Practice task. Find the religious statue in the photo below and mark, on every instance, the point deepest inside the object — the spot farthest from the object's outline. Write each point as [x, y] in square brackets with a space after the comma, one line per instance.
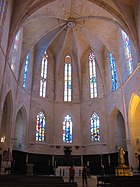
[121, 156]
[122, 169]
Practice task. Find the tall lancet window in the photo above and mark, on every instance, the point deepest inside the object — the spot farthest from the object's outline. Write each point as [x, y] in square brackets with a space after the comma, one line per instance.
[25, 71]
[3, 5]
[40, 127]
[127, 52]
[92, 74]
[95, 128]
[43, 80]
[67, 129]
[67, 78]
[113, 73]
[15, 51]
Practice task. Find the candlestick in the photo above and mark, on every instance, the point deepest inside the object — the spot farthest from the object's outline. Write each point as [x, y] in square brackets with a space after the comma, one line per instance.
[27, 158]
[109, 159]
[53, 160]
[101, 159]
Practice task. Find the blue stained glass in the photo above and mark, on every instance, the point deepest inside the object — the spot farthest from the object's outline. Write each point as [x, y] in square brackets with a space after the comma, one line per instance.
[67, 78]
[67, 129]
[113, 73]
[95, 128]
[127, 51]
[43, 80]
[3, 4]
[92, 74]
[25, 71]
[40, 127]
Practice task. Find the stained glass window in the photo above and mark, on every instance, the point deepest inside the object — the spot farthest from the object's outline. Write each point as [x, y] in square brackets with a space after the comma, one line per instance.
[3, 4]
[92, 74]
[15, 51]
[25, 71]
[43, 80]
[95, 128]
[127, 52]
[67, 129]
[40, 127]
[1, 8]
[67, 78]
[113, 72]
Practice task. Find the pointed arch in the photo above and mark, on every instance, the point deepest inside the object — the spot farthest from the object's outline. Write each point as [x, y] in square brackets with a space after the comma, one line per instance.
[15, 51]
[68, 78]
[95, 127]
[26, 63]
[117, 132]
[20, 129]
[3, 4]
[113, 72]
[92, 75]
[7, 112]
[3, 10]
[40, 127]
[67, 129]
[44, 71]
[134, 125]
[133, 104]
[127, 53]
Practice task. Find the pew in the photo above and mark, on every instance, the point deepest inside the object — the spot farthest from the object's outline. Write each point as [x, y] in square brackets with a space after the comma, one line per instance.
[125, 181]
[118, 181]
[34, 181]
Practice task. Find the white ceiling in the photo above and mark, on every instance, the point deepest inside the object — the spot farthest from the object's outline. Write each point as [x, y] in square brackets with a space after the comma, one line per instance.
[95, 26]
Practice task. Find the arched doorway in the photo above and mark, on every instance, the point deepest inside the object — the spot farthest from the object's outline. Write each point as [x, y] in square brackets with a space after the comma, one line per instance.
[6, 122]
[20, 130]
[134, 125]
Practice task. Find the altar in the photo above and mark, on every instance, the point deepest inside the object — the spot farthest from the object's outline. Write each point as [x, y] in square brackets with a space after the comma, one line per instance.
[64, 170]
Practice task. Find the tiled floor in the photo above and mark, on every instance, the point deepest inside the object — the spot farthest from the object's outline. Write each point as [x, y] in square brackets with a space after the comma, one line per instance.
[91, 181]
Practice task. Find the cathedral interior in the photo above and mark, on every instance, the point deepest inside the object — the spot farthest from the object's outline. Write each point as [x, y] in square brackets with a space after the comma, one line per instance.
[69, 83]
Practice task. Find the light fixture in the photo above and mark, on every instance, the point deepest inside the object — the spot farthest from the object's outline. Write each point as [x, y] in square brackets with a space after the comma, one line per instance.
[2, 140]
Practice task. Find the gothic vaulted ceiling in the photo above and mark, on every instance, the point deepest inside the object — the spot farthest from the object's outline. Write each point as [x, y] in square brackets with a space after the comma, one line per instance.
[71, 25]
